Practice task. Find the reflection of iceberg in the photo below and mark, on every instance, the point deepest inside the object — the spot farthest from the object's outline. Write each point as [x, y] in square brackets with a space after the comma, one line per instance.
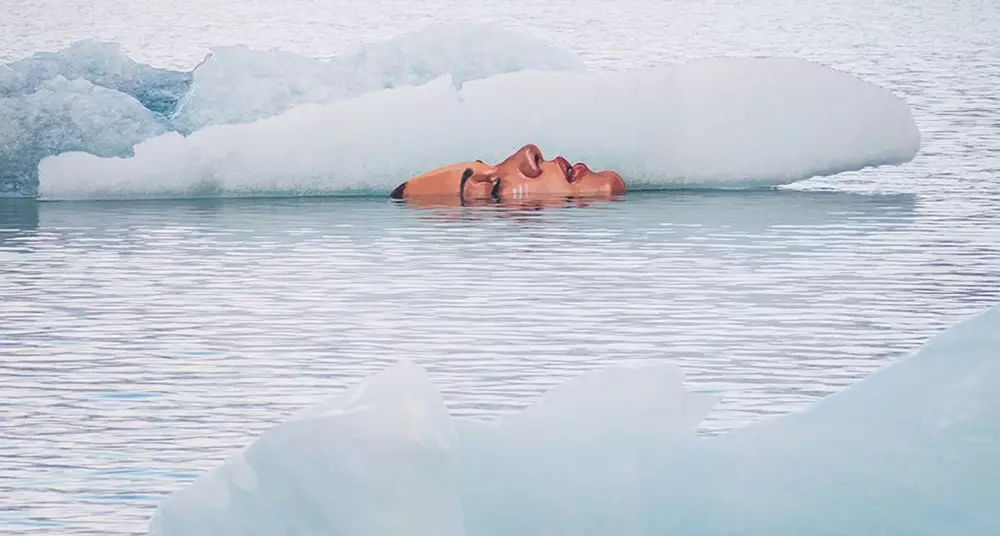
[715, 123]
[686, 213]
[17, 216]
[910, 450]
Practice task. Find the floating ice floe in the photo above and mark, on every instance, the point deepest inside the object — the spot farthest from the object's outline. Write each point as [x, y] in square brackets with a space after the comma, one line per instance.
[725, 123]
[909, 450]
[272, 123]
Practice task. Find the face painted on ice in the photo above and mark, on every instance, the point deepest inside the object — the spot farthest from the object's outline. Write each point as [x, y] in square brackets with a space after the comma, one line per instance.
[523, 175]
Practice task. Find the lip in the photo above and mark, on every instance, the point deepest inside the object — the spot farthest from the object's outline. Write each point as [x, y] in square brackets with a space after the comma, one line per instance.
[565, 167]
[577, 171]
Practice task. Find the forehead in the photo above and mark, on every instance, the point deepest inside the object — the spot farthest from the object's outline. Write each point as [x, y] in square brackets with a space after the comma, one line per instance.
[444, 180]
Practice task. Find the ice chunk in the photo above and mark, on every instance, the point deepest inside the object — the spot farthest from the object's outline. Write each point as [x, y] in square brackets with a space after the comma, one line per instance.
[909, 450]
[103, 64]
[580, 461]
[376, 461]
[64, 115]
[237, 85]
[726, 123]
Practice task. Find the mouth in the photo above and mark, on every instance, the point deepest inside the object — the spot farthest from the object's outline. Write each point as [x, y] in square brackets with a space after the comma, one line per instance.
[572, 172]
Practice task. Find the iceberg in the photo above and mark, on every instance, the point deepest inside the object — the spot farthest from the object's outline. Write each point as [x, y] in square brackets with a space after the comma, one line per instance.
[722, 123]
[375, 461]
[63, 115]
[909, 450]
[239, 85]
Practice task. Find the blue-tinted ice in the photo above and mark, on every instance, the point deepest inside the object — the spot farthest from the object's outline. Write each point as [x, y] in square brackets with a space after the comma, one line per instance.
[910, 450]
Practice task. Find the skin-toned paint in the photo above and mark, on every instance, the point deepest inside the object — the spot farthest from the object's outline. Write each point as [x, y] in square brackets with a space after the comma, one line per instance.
[523, 175]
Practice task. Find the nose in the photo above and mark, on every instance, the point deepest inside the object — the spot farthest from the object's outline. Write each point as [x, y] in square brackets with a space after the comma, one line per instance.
[529, 160]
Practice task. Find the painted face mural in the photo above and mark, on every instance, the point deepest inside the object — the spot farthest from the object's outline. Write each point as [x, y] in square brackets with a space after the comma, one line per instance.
[523, 175]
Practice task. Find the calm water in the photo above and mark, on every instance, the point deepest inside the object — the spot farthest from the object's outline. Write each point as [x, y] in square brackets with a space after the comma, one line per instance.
[141, 342]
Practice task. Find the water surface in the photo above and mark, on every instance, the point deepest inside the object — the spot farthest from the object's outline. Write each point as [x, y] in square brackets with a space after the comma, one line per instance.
[140, 342]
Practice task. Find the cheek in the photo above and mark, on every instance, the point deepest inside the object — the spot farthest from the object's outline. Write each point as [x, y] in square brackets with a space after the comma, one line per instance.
[478, 190]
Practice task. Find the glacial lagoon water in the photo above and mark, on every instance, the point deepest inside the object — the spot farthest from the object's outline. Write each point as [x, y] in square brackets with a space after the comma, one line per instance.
[142, 342]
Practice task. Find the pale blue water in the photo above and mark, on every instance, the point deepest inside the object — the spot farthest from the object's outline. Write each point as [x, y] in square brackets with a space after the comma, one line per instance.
[140, 342]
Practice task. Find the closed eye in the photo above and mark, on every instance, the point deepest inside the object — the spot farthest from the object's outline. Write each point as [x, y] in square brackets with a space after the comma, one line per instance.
[466, 175]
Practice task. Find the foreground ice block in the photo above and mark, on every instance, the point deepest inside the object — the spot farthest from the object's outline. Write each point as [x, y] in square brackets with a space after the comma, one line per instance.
[376, 461]
[727, 123]
[910, 450]
[585, 459]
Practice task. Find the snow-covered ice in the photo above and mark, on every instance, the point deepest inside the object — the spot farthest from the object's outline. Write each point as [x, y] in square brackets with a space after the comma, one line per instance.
[909, 450]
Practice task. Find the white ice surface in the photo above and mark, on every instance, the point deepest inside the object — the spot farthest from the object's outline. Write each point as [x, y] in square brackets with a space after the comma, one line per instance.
[725, 123]
[239, 85]
[909, 450]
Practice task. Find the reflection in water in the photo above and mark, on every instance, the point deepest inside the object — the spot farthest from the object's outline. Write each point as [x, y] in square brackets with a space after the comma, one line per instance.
[17, 215]
[758, 209]
[456, 209]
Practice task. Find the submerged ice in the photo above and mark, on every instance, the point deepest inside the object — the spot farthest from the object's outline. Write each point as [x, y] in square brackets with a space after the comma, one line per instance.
[909, 450]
